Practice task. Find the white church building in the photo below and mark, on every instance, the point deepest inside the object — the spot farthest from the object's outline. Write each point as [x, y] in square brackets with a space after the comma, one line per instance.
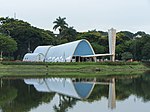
[77, 51]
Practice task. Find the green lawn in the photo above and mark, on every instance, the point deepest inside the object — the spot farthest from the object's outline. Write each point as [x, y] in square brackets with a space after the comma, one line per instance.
[83, 69]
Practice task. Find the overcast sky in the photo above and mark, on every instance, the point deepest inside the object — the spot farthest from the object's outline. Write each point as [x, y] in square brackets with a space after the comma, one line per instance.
[83, 15]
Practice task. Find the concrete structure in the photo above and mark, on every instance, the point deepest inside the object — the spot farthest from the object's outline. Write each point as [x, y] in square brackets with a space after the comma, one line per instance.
[62, 53]
[38, 55]
[112, 43]
[80, 50]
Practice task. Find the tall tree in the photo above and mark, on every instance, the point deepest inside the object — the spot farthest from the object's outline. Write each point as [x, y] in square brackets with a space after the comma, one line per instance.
[26, 36]
[146, 51]
[140, 47]
[7, 44]
[70, 34]
[60, 24]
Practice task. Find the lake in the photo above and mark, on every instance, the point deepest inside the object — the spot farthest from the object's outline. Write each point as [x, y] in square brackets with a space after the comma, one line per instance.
[59, 94]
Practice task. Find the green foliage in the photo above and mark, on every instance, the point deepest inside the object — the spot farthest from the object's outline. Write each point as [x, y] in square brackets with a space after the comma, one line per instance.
[60, 23]
[140, 47]
[66, 34]
[92, 36]
[146, 51]
[123, 43]
[26, 36]
[123, 36]
[69, 34]
[7, 44]
[99, 49]
[126, 56]
[66, 63]
[140, 33]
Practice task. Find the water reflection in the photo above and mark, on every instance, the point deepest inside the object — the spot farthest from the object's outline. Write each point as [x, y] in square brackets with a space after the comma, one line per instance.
[65, 86]
[16, 96]
[112, 94]
[75, 94]
[75, 87]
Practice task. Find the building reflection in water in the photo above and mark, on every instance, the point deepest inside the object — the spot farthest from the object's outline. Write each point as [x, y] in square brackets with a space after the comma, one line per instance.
[112, 95]
[73, 87]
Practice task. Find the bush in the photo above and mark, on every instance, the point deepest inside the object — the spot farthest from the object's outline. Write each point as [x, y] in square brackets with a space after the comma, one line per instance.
[69, 63]
[126, 56]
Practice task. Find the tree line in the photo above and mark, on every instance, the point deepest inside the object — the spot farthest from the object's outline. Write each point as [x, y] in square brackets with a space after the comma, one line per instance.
[18, 37]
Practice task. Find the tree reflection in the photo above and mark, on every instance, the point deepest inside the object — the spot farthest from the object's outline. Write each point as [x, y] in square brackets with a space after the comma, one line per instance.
[134, 86]
[7, 95]
[65, 102]
[21, 98]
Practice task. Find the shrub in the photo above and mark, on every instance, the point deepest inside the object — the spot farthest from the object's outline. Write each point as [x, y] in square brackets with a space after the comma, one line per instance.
[67, 63]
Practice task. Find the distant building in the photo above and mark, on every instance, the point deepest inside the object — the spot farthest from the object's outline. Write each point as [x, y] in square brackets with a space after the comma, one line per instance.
[137, 36]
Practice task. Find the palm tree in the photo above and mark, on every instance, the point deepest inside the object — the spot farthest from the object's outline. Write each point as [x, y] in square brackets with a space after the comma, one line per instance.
[60, 24]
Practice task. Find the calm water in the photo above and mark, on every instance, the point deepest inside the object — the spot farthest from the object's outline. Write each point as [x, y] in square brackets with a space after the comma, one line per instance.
[111, 94]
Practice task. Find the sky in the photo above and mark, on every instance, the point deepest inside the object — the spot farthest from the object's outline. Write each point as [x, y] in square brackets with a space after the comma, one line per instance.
[83, 15]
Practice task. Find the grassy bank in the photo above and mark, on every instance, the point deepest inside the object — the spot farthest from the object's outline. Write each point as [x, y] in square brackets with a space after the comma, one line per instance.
[70, 69]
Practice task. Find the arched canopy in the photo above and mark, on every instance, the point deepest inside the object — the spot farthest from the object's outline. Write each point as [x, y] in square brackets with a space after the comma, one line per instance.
[65, 52]
[38, 54]
[42, 49]
[83, 48]
[62, 53]
[34, 57]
